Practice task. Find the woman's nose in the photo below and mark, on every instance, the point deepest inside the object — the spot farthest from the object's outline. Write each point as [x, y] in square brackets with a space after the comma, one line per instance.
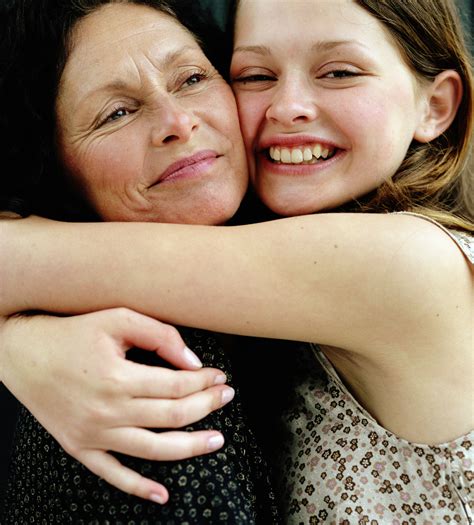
[294, 102]
[173, 123]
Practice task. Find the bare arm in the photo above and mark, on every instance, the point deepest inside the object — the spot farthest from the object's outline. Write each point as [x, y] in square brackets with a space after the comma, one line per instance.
[393, 291]
[350, 281]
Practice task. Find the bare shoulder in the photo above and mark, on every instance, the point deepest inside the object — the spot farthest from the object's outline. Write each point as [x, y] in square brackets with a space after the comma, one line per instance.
[429, 254]
[427, 282]
[411, 284]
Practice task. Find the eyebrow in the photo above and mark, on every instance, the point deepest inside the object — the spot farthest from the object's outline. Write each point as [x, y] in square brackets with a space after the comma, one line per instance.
[322, 45]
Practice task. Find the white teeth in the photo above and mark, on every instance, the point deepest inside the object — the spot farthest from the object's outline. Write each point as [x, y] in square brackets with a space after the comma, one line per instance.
[296, 156]
[299, 154]
[285, 156]
[307, 154]
[317, 150]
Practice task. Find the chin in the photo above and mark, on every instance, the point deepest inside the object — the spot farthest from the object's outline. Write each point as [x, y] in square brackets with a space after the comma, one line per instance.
[211, 212]
[288, 207]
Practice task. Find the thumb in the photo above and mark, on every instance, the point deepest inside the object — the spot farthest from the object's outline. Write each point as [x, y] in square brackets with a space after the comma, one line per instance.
[138, 330]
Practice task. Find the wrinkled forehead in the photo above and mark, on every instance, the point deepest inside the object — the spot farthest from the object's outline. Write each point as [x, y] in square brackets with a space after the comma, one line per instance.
[116, 30]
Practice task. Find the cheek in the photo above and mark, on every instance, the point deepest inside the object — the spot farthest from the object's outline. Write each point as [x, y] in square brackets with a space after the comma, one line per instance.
[251, 109]
[222, 116]
[381, 121]
[100, 169]
[218, 109]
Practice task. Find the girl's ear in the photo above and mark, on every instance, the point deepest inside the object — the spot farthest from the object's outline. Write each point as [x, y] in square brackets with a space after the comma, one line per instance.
[443, 97]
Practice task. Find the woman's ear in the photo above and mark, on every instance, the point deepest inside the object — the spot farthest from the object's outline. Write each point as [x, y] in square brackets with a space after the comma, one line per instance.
[443, 97]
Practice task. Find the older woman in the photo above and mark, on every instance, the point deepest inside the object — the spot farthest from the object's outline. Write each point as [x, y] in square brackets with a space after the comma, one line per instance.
[179, 159]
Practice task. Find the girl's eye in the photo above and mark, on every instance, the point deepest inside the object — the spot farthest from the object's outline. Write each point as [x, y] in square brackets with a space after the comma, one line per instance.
[253, 78]
[341, 73]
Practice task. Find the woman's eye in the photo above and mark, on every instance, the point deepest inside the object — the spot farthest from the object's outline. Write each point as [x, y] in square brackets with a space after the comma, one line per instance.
[116, 114]
[195, 78]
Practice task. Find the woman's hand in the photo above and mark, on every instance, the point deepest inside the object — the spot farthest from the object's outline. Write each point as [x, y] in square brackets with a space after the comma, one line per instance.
[71, 373]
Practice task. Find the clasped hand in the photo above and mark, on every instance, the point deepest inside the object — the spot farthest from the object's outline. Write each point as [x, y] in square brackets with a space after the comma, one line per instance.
[72, 374]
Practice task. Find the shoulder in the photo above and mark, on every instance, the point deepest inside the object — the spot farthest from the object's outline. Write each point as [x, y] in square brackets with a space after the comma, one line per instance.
[462, 239]
[429, 286]
[431, 258]
[407, 241]
[415, 283]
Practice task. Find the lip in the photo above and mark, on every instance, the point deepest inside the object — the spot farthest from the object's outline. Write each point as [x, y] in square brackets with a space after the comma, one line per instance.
[194, 165]
[294, 140]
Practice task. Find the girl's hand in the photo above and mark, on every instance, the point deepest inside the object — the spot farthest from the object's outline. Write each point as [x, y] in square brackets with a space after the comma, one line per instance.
[71, 373]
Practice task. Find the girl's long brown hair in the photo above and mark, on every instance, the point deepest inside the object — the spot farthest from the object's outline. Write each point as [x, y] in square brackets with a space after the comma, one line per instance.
[435, 179]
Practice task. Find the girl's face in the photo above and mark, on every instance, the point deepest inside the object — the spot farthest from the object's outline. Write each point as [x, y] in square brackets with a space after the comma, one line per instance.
[328, 107]
[146, 126]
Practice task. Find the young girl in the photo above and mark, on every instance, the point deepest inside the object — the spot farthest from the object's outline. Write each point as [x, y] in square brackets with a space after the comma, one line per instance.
[361, 105]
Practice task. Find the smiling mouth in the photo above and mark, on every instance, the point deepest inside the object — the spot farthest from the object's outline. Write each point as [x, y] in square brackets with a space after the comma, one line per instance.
[193, 165]
[309, 154]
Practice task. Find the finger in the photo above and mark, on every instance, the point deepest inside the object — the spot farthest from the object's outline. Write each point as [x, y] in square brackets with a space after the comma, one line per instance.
[149, 334]
[158, 382]
[171, 413]
[165, 446]
[111, 470]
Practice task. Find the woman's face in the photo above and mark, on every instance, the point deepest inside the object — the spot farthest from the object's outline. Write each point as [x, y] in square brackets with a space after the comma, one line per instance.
[145, 125]
[328, 107]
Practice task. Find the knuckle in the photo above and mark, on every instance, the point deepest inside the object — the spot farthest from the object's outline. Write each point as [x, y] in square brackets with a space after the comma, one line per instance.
[114, 382]
[170, 333]
[208, 377]
[134, 487]
[197, 447]
[70, 445]
[220, 397]
[127, 482]
[126, 315]
[178, 387]
[98, 414]
[177, 416]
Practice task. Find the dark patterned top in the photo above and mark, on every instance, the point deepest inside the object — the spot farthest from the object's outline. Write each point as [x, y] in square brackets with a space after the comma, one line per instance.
[342, 467]
[47, 486]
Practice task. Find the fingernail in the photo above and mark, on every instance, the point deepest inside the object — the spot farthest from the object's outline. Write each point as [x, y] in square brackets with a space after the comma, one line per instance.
[192, 358]
[157, 498]
[220, 379]
[227, 395]
[215, 442]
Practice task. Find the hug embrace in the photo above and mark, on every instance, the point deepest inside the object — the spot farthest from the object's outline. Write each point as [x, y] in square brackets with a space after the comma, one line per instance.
[127, 160]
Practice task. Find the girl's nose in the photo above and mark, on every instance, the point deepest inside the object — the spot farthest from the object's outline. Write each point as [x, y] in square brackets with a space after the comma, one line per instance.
[294, 102]
[173, 124]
